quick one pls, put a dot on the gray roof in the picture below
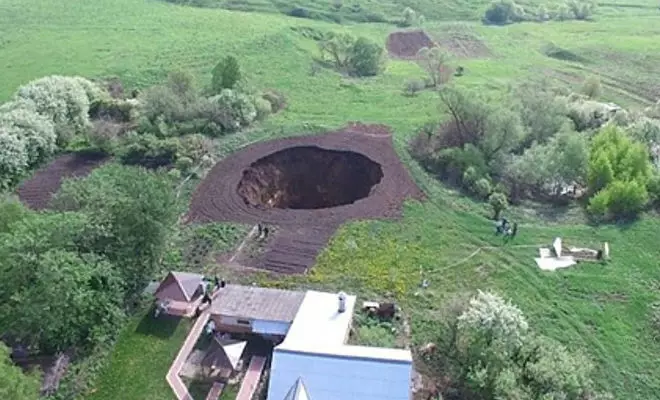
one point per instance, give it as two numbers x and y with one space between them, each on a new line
253 302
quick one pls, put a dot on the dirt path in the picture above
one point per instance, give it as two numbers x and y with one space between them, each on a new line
294 250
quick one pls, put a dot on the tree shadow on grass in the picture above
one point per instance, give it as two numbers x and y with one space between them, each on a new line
162 327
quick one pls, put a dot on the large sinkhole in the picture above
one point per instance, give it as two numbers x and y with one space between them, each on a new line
309 177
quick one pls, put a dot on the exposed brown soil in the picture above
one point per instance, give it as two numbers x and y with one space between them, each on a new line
303 231
309 177
465 46
37 191
406 44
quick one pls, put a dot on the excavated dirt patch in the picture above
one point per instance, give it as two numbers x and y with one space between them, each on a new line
37 191
407 44
366 166
309 177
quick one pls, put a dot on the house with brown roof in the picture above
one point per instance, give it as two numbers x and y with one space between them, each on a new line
180 292
250 309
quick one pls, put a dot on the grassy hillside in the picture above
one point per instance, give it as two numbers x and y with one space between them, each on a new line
601 309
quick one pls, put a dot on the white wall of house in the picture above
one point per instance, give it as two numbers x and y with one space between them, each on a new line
264 327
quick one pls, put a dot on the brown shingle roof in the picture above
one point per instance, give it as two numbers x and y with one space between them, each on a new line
180 286
253 302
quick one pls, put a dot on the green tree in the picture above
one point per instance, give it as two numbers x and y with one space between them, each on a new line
182 83
133 212
11 212
488 346
499 203
360 57
54 293
14 384
620 198
552 166
366 57
226 74
65 299
501 12
434 62
592 88
336 50
613 150
542 113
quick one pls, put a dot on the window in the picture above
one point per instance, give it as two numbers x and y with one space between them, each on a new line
243 322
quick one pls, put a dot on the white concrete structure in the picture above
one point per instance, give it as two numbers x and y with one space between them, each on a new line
314 352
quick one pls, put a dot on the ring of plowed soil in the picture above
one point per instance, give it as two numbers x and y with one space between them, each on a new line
302 233
406 44
38 191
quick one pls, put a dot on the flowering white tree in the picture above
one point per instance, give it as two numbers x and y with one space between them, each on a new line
36 131
13 158
492 317
63 100
498 356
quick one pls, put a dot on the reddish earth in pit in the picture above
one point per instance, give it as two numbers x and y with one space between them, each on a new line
307 186
38 191
407 44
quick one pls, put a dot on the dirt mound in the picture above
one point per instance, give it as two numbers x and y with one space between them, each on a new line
407 44
367 159
37 191
308 178
465 46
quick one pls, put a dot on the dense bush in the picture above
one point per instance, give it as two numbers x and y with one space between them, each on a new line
499 203
490 351
147 150
14 383
178 108
225 75
551 168
276 100
240 110
619 173
502 12
360 57
412 18
529 149
366 57
413 86
592 88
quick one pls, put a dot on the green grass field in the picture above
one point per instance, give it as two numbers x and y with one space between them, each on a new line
601 309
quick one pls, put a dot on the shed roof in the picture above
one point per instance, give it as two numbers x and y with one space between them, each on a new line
297 391
253 302
180 286
224 353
